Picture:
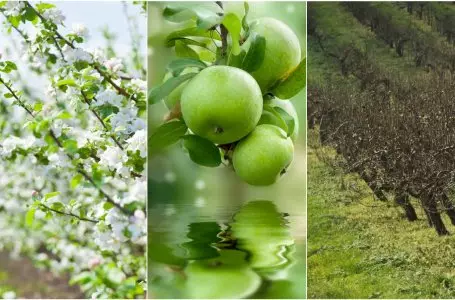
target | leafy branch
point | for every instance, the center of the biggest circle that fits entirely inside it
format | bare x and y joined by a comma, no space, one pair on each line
68,214
95,65
59,144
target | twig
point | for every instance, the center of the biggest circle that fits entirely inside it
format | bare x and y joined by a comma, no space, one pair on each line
224,34
17,98
101,120
21,33
69,214
59,144
119,89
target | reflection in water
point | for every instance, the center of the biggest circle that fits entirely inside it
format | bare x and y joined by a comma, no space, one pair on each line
249,256
202,235
260,230
228,276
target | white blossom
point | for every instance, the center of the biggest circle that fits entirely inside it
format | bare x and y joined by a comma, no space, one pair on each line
140,84
77,54
13,8
108,97
80,30
113,158
114,64
138,142
55,15
137,192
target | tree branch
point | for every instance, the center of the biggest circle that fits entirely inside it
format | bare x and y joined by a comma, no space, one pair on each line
224,34
119,89
59,144
68,214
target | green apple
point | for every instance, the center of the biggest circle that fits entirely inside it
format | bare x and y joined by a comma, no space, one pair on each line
222,104
263,156
282,51
270,118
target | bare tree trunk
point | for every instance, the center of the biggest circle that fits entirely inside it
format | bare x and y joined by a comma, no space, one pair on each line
402,199
449,207
434,216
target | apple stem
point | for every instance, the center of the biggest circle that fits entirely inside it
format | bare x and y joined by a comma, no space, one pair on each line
219,130
224,33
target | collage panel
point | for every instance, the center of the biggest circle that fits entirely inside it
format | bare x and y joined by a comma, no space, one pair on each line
381,143
227,150
72,150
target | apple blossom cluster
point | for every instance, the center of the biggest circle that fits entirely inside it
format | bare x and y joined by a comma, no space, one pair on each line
72,154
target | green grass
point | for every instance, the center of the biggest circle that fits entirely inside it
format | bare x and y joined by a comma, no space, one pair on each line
362,248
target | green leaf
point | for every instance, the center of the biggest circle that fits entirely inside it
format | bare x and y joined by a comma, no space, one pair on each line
183,50
81,278
245,25
51,195
207,15
108,205
59,206
76,180
158,93
290,122
30,217
188,41
202,151
64,115
41,7
15,21
190,32
177,66
7,66
30,14
177,13
70,146
167,134
293,83
233,25
279,119
38,107
255,55
237,60
11,65
64,82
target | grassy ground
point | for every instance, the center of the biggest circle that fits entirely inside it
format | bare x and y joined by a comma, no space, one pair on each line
362,248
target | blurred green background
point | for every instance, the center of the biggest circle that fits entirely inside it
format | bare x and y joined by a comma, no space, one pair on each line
182,193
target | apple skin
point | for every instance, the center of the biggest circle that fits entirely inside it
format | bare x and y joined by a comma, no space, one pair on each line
263,156
269,118
222,104
282,51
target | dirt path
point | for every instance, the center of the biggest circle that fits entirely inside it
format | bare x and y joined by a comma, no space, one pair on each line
33,283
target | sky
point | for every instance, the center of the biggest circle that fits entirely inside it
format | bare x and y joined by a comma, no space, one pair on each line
94,15
97,14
